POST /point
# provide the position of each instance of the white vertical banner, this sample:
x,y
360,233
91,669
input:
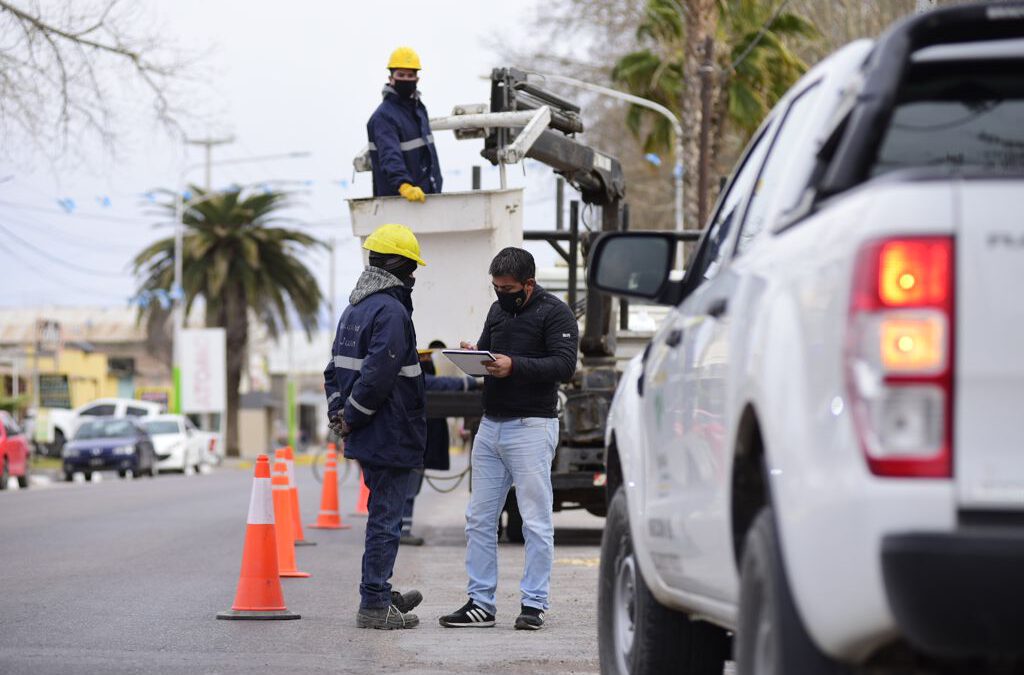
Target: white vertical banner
x,y
203,370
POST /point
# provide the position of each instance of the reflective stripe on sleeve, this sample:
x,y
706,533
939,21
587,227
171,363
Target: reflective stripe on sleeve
x,y
411,371
362,409
348,362
406,146
330,399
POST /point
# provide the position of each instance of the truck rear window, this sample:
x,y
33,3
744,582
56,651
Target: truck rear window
x,y
958,117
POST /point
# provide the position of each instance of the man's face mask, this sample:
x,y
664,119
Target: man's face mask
x,y
405,88
513,301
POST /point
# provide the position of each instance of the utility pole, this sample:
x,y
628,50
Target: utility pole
x,y
706,71
330,291
208,144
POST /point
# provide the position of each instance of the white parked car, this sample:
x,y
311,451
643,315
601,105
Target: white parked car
x,y
180,446
817,466
65,422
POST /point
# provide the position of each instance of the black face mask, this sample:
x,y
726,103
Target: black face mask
x,y
512,302
409,282
405,88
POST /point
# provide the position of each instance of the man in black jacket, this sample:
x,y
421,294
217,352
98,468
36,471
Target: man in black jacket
x,y
534,338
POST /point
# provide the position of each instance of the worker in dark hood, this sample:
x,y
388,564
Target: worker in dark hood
x,y
375,402
401,146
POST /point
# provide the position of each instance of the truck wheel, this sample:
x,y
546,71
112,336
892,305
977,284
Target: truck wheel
x,y
57,447
637,635
513,519
771,638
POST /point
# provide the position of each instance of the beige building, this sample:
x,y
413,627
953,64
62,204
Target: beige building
x,y
103,351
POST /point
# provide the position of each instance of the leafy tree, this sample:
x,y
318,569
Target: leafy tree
x,y
753,66
241,261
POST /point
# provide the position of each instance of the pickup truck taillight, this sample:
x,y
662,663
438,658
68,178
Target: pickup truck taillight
x,y
899,355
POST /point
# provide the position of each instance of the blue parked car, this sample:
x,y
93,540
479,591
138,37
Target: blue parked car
x,y
110,443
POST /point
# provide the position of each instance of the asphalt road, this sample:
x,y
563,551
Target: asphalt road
x,y
127,576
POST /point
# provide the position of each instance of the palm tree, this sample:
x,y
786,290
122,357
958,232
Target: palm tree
x,y
755,66
238,259
761,64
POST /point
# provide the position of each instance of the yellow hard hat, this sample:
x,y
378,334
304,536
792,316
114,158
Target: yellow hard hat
x,y
405,57
394,239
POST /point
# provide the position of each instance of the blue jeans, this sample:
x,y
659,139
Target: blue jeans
x,y
388,488
510,452
415,483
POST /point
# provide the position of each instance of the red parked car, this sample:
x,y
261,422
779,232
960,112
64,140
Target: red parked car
x,y
14,452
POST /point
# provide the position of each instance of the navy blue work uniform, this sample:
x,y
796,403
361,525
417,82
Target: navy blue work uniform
x,y
438,441
375,381
401,146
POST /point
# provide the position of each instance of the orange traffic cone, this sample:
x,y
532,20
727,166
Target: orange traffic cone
x,y
300,536
364,497
283,515
330,517
259,594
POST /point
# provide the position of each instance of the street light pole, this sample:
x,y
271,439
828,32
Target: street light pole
x,y
677,128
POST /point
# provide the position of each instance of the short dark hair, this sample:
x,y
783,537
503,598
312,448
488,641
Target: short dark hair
x,y
513,262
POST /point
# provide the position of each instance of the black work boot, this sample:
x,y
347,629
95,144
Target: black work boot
x,y
385,618
406,602
410,539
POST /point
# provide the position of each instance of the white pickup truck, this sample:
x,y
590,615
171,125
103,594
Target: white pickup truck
x,y
817,466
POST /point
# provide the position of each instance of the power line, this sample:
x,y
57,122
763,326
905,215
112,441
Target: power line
x,y
78,214
94,244
49,256
65,286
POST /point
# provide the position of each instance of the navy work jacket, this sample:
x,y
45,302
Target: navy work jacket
x,y
401,146
374,376
438,441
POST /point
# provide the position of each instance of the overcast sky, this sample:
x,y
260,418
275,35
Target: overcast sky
x,y
297,76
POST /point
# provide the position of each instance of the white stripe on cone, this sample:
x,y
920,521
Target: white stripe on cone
x,y
261,505
291,472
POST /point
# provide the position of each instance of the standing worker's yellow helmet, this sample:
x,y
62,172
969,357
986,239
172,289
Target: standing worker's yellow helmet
x,y
404,57
396,240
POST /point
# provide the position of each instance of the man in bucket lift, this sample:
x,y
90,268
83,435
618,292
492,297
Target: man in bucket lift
x,y
401,146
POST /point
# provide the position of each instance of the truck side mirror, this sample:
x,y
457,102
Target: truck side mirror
x,y
633,264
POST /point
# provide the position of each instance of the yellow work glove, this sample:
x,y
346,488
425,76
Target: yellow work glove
x,y
412,193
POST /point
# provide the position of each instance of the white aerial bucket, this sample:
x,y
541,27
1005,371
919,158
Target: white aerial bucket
x,y
459,233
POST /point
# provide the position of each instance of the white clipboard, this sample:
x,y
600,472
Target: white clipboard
x,y
469,361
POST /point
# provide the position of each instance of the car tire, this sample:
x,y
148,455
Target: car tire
x,y
771,637
56,449
5,475
636,634
69,477
23,481
87,475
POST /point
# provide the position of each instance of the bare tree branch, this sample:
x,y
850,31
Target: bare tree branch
x,y
63,72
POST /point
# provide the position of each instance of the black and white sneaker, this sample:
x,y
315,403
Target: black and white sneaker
x,y
470,615
530,618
